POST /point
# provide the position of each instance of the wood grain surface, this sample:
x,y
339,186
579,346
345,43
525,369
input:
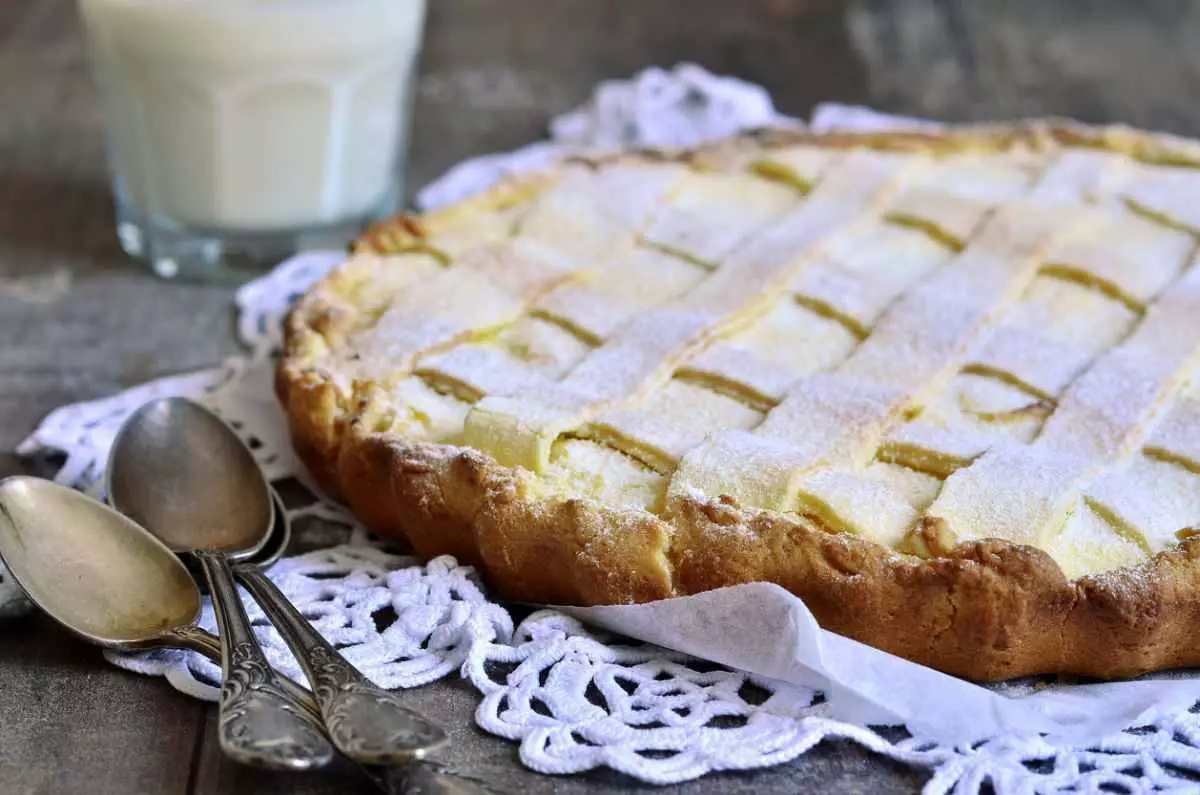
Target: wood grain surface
x,y
77,320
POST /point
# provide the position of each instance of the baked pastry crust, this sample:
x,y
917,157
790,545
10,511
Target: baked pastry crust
x,y
983,608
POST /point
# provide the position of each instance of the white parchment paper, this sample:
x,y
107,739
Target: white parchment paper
x,y
763,629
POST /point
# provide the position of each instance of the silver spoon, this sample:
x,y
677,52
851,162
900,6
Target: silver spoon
x,y
278,539
100,575
366,723
108,581
270,552
95,571
169,476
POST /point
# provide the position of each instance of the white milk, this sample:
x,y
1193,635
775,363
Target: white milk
x,y
254,115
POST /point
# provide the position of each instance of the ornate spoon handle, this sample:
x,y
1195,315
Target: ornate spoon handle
x,y
419,778
259,722
366,723
204,642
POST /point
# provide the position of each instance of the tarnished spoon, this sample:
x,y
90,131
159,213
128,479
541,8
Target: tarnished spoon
x,y
100,575
277,540
93,570
276,544
110,582
186,485
175,501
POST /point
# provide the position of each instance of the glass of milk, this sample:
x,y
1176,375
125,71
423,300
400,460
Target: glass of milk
x,y
240,131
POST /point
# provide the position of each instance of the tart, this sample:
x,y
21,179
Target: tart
x,y
944,387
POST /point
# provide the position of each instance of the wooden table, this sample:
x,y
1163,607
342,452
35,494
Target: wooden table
x,y
77,320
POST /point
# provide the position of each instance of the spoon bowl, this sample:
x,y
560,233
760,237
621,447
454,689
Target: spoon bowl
x,y
96,572
265,556
277,541
180,471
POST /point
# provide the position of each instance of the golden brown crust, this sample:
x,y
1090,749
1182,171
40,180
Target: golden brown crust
x,y
986,610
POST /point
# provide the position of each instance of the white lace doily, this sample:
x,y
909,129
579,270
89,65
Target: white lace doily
x,y
574,698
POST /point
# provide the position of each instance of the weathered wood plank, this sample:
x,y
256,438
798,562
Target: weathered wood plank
x,y
493,74
73,723
1098,60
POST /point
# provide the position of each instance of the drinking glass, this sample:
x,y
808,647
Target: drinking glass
x,y
241,131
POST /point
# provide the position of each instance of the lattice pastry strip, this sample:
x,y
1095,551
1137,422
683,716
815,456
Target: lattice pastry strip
x,y
938,447
433,405
1128,256
951,199
1047,338
754,378
489,289
1169,193
786,342
800,166
520,429
424,413
1023,494
710,213
541,345
586,211
839,419
486,220
490,230
366,284
705,410
919,489
880,502
859,414
753,469
981,177
671,421
643,279
847,502
1148,501
740,376
1041,365
864,269
572,231
971,416
1177,437
751,368
472,371
1083,175
578,466
531,353
1109,406
655,441
1089,543
948,218
929,328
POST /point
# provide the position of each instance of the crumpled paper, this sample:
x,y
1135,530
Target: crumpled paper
x,y
763,629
